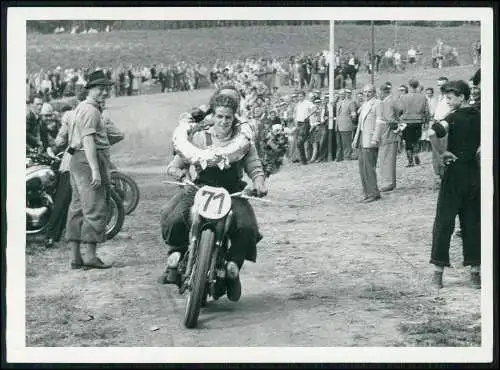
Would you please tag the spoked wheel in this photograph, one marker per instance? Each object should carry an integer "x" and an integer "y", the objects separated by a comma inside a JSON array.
[
  {"x": 198, "y": 291},
  {"x": 116, "y": 214},
  {"x": 128, "y": 190}
]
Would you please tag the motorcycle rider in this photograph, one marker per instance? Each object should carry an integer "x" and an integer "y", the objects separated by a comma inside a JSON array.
[
  {"x": 200, "y": 119},
  {"x": 244, "y": 234}
]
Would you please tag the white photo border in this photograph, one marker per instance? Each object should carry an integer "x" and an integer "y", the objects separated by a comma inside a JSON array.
[{"x": 15, "y": 200}]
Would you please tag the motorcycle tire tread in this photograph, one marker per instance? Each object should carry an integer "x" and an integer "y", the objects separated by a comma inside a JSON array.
[{"x": 200, "y": 275}]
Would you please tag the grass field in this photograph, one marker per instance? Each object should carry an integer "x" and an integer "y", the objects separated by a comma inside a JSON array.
[
  {"x": 206, "y": 45},
  {"x": 330, "y": 271}
]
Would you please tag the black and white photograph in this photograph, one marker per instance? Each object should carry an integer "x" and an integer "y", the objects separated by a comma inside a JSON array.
[{"x": 298, "y": 184}]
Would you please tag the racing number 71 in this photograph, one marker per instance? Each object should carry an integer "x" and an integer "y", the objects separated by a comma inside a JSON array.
[{"x": 212, "y": 196}]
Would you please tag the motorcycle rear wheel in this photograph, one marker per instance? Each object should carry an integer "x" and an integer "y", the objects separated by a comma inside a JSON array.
[
  {"x": 128, "y": 190},
  {"x": 116, "y": 215},
  {"x": 198, "y": 289}
]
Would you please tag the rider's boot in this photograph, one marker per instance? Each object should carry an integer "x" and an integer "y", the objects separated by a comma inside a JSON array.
[
  {"x": 233, "y": 281},
  {"x": 171, "y": 275}
]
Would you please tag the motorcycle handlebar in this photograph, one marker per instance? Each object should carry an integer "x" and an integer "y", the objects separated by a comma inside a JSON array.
[{"x": 246, "y": 193}]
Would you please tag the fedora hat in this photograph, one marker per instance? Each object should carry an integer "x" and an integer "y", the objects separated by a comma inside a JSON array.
[{"x": 97, "y": 78}]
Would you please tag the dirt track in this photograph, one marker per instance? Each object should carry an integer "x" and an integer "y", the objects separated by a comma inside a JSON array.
[{"x": 330, "y": 272}]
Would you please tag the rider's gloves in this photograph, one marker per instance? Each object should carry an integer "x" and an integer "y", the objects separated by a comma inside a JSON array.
[
  {"x": 259, "y": 186},
  {"x": 176, "y": 173}
]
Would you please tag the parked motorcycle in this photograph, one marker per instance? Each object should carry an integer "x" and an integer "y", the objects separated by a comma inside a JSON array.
[
  {"x": 202, "y": 269},
  {"x": 42, "y": 174},
  {"x": 127, "y": 189}
]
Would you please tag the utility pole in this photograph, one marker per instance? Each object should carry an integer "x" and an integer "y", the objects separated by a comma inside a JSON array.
[
  {"x": 373, "y": 54},
  {"x": 396, "y": 35},
  {"x": 331, "y": 84}
]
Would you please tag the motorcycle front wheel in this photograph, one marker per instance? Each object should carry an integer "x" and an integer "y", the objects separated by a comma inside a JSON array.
[
  {"x": 198, "y": 289},
  {"x": 116, "y": 214},
  {"x": 128, "y": 190}
]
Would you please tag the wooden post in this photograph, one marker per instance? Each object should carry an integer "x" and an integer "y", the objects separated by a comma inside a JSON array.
[
  {"x": 396, "y": 35},
  {"x": 331, "y": 84}
]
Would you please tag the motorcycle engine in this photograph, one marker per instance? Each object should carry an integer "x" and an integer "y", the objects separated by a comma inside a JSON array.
[
  {"x": 37, "y": 217},
  {"x": 39, "y": 180}
]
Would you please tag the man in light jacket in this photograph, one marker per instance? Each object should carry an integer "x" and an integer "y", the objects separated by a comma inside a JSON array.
[
  {"x": 346, "y": 115},
  {"x": 389, "y": 139},
  {"x": 367, "y": 141}
]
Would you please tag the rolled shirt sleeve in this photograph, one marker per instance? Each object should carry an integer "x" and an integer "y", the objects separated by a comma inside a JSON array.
[
  {"x": 114, "y": 134},
  {"x": 89, "y": 121}
]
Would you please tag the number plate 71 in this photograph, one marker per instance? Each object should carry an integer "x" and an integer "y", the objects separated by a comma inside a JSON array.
[{"x": 212, "y": 203}]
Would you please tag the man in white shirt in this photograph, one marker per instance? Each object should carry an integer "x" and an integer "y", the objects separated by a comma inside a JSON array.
[
  {"x": 432, "y": 100},
  {"x": 397, "y": 60},
  {"x": 412, "y": 55},
  {"x": 388, "y": 58},
  {"x": 442, "y": 110},
  {"x": 352, "y": 69},
  {"x": 303, "y": 110}
]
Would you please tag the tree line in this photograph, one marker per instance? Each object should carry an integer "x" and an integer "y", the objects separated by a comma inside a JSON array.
[{"x": 100, "y": 25}]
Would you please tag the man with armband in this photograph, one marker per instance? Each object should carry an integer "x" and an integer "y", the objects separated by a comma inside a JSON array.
[{"x": 460, "y": 191}]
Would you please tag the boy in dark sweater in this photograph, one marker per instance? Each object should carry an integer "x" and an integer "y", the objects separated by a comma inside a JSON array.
[{"x": 460, "y": 191}]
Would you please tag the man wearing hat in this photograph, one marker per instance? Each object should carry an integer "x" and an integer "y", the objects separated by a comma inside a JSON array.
[
  {"x": 388, "y": 146},
  {"x": 345, "y": 116},
  {"x": 89, "y": 175},
  {"x": 303, "y": 111},
  {"x": 415, "y": 112},
  {"x": 323, "y": 144},
  {"x": 317, "y": 130},
  {"x": 367, "y": 139}
]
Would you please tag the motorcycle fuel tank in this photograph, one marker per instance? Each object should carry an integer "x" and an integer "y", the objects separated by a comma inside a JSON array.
[{"x": 39, "y": 174}]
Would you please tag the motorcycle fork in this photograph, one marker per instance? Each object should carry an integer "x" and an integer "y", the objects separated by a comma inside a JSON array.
[
  {"x": 218, "y": 255},
  {"x": 194, "y": 233}
]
